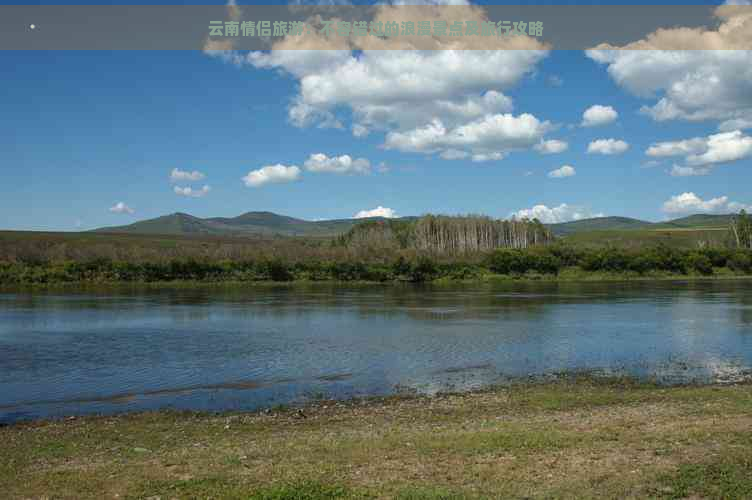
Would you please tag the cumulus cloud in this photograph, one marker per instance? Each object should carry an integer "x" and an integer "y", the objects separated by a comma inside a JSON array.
[
  {"x": 690, "y": 203},
  {"x": 490, "y": 135},
  {"x": 344, "y": 164},
  {"x": 690, "y": 73},
  {"x": 178, "y": 175},
  {"x": 553, "y": 215},
  {"x": 598, "y": 115},
  {"x": 190, "y": 192},
  {"x": 551, "y": 146},
  {"x": 564, "y": 171},
  {"x": 271, "y": 174},
  {"x": 376, "y": 212},
  {"x": 706, "y": 151},
  {"x": 607, "y": 146},
  {"x": 121, "y": 208},
  {"x": 398, "y": 90}
]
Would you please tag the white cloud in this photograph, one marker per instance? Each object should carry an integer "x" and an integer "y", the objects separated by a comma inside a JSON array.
[
  {"x": 483, "y": 157},
  {"x": 562, "y": 213},
  {"x": 453, "y": 154},
  {"x": 598, "y": 115},
  {"x": 489, "y": 135},
  {"x": 677, "y": 148},
  {"x": 680, "y": 171},
  {"x": 344, "y": 164},
  {"x": 690, "y": 73},
  {"x": 689, "y": 203},
  {"x": 564, "y": 171},
  {"x": 607, "y": 146},
  {"x": 359, "y": 130},
  {"x": 706, "y": 151},
  {"x": 181, "y": 175},
  {"x": 551, "y": 146},
  {"x": 121, "y": 208},
  {"x": 376, "y": 212},
  {"x": 387, "y": 89},
  {"x": 427, "y": 80},
  {"x": 271, "y": 174},
  {"x": 735, "y": 124},
  {"x": 189, "y": 191}
]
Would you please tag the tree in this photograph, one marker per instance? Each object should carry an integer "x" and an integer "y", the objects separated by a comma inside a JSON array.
[{"x": 741, "y": 230}]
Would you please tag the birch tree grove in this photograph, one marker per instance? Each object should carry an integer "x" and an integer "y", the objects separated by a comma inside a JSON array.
[
  {"x": 451, "y": 235},
  {"x": 740, "y": 230}
]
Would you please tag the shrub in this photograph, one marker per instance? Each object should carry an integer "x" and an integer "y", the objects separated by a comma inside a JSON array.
[
  {"x": 277, "y": 270},
  {"x": 424, "y": 270},
  {"x": 699, "y": 263},
  {"x": 741, "y": 261}
]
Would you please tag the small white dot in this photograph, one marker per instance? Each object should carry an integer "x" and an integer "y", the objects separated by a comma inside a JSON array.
[{"x": 33, "y": 26}]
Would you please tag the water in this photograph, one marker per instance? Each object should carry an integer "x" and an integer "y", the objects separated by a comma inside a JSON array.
[{"x": 77, "y": 352}]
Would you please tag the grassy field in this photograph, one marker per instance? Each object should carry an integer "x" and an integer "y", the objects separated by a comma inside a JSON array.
[
  {"x": 681, "y": 238},
  {"x": 576, "y": 438}
]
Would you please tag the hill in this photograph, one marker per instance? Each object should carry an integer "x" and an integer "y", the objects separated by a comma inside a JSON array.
[
  {"x": 598, "y": 224},
  {"x": 698, "y": 221},
  {"x": 269, "y": 224},
  {"x": 247, "y": 224}
]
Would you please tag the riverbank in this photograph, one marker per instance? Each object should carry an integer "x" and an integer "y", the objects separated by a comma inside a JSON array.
[
  {"x": 555, "y": 262},
  {"x": 580, "y": 438},
  {"x": 567, "y": 276}
]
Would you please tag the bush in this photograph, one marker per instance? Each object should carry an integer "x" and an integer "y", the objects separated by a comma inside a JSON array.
[
  {"x": 277, "y": 270},
  {"x": 424, "y": 270},
  {"x": 741, "y": 262},
  {"x": 699, "y": 263}
]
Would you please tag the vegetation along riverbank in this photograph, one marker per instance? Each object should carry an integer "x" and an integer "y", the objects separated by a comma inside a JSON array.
[
  {"x": 573, "y": 438},
  {"x": 429, "y": 248}
]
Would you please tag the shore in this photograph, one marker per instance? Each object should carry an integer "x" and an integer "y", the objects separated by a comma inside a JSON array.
[
  {"x": 567, "y": 276},
  {"x": 575, "y": 438}
]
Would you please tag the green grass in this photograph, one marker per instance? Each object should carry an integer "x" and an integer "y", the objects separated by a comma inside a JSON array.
[
  {"x": 727, "y": 478},
  {"x": 680, "y": 238},
  {"x": 577, "y": 437}
]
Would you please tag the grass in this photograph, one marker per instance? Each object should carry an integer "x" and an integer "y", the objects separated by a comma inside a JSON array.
[
  {"x": 679, "y": 238},
  {"x": 571, "y": 438}
]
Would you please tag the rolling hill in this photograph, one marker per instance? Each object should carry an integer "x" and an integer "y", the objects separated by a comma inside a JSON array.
[
  {"x": 260, "y": 224},
  {"x": 249, "y": 224},
  {"x": 598, "y": 224}
]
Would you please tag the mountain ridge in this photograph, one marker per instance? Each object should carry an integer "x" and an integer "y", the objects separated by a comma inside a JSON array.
[{"x": 265, "y": 223}]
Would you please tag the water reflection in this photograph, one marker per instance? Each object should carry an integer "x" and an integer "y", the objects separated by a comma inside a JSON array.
[{"x": 232, "y": 347}]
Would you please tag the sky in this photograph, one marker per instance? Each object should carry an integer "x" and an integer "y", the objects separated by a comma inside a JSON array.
[{"x": 100, "y": 138}]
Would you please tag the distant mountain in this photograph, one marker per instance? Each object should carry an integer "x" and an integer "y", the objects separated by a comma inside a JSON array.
[
  {"x": 247, "y": 224},
  {"x": 256, "y": 224},
  {"x": 699, "y": 221},
  {"x": 597, "y": 224}
]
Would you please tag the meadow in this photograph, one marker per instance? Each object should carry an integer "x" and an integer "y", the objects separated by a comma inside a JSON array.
[{"x": 577, "y": 437}]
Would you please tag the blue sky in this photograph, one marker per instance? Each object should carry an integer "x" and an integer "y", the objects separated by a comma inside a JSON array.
[{"x": 83, "y": 131}]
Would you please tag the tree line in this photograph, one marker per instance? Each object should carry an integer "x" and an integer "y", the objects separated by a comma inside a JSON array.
[{"x": 449, "y": 235}]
